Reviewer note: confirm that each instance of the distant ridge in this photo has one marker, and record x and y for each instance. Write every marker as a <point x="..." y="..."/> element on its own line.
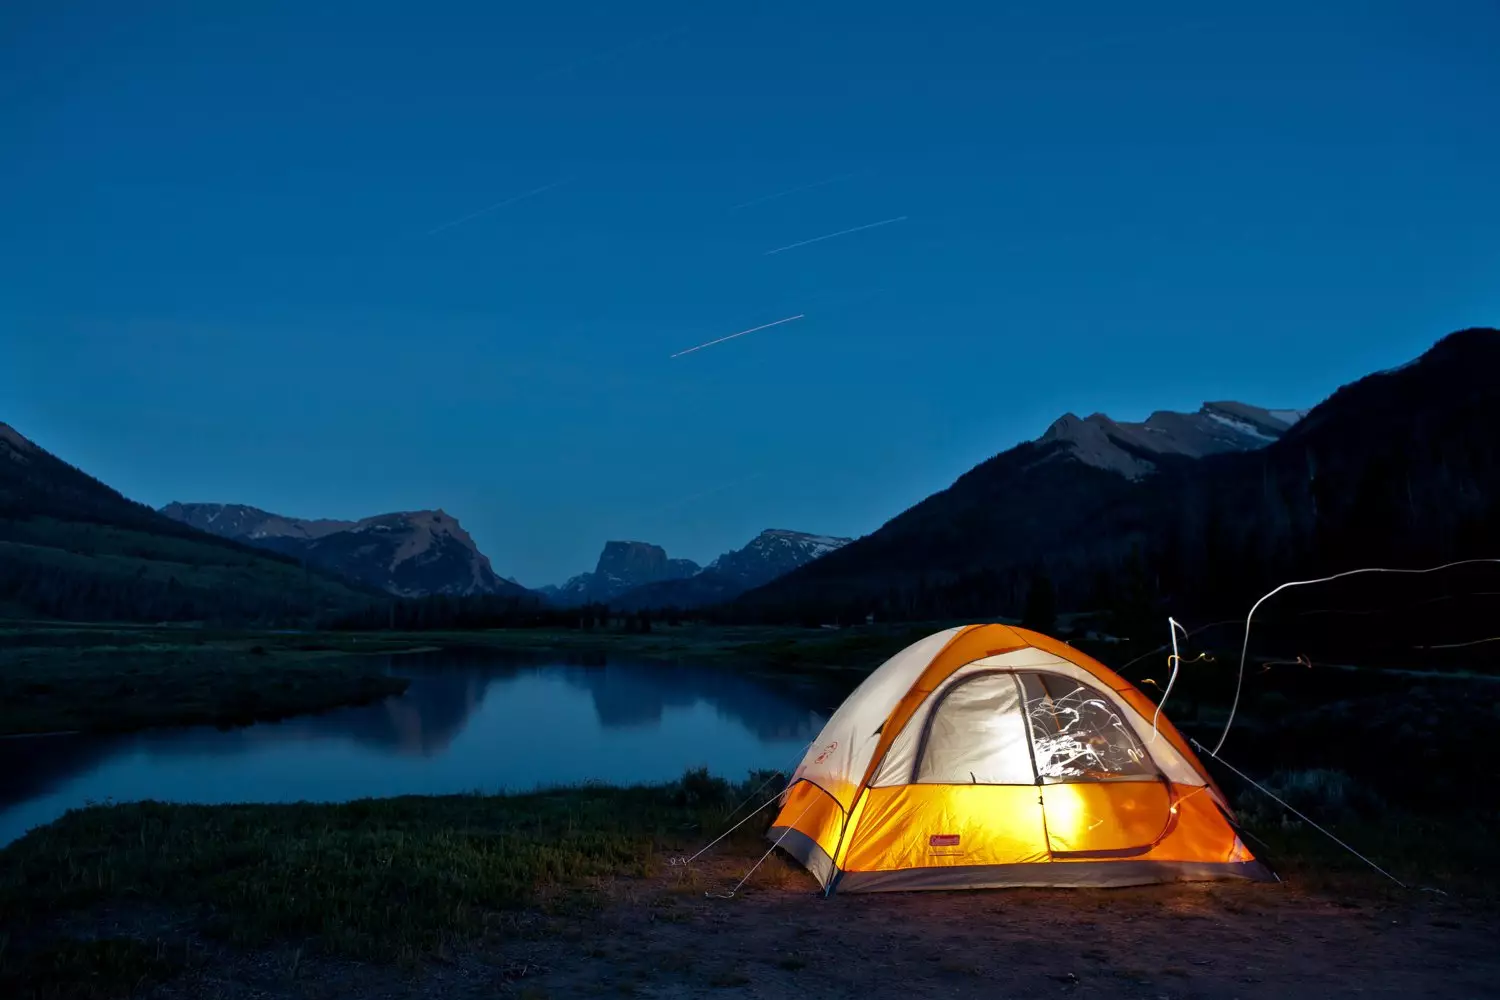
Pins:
<point x="407" y="554"/>
<point x="622" y="567"/>
<point x="770" y="554"/>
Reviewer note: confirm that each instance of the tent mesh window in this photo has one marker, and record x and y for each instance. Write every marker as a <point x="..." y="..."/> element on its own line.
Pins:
<point x="977" y="735"/>
<point x="1077" y="733"/>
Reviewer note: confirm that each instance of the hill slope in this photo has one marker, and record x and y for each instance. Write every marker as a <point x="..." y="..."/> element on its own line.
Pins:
<point x="407" y="554"/>
<point x="1402" y="467"/>
<point x="72" y="548"/>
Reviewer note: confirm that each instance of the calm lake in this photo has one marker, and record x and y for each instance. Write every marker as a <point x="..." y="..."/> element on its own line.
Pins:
<point x="469" y="722"/>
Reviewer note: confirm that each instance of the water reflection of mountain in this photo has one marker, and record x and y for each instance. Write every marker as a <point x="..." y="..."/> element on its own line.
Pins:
<point x="627" y="694"/>
<point x="443" y="694"/>
<point x="446" y="690"/>
<point x="421" y="722"/>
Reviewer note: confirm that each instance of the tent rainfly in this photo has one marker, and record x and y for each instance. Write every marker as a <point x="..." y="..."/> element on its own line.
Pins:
<point x="988" y="756"/>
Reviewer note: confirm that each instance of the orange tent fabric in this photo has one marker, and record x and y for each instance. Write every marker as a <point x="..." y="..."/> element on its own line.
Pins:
<point x="989" y="755"/>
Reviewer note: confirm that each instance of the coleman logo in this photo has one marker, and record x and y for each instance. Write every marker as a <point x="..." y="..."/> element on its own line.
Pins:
<point x="830" y="748"/>
<point x="943" y="840"/>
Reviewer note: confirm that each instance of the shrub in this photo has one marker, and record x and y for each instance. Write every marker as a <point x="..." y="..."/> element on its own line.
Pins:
<point x="1324" y="795"/>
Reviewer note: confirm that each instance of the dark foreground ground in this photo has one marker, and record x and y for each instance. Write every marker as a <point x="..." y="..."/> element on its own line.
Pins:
<point x="661" y="937"/>
<point x="573" y="893"/>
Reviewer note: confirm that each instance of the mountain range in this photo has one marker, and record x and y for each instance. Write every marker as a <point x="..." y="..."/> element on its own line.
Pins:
<point x="1183" y="510"/>
<point x="1135" y="450"/>
<point x="1203" y="512"/>
<point x="631" y="576"/>
<point x="408" y="554"/>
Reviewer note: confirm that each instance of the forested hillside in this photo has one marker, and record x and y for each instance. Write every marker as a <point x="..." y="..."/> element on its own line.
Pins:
<point x="1400" y="468"/>
<point x="72" y="548"/>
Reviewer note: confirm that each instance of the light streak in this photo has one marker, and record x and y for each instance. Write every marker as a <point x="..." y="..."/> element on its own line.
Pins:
<point x="1172" y="629"/>
<point x="782" y="194"/>
<point x="1163" y="646"/>
<point x="1319" y="611"/>
<point x="841" y="232"/>
<point x="1061" y="736"/>
<point x="496" y="207"/>
<point x="1245" y="649"/>
<point x="684" y="501"/>
<point x="1460" y="645"/>
<point x="721" y="340"/>
<point x="1302" y="660"/>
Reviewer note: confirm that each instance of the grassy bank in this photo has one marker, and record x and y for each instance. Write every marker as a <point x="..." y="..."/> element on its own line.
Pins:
<point x="379" y="880"/>
<point x="766" y="649"/>
<point x="113" y="678"/>
<point x="62" y="681"/>
<point x="109" y="898"/>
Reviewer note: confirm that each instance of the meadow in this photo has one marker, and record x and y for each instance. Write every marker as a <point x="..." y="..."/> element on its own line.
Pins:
<point x="112" y="901"/>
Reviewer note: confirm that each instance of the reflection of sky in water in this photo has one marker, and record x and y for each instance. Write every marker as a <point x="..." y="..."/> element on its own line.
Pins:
<point x="456" y="730"/>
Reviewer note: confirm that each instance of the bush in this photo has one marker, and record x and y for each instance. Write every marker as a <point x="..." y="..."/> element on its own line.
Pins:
<point x="1324" y="795"/>
<point x="698" y="788"/>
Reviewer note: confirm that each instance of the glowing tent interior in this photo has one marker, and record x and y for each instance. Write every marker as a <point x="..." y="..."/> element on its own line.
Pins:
<point x="987" y="756"/>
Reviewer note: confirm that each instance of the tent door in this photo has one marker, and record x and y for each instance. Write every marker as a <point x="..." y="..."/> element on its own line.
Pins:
<point x="1102" y="795"/>
<point x="1106" y="819"/>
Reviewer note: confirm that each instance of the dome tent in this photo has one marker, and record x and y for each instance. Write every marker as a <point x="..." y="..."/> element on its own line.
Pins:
<point x="987" y="756"/>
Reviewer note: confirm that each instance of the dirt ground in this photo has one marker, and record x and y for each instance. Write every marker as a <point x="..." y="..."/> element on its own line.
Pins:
<point x="663" y="937"/>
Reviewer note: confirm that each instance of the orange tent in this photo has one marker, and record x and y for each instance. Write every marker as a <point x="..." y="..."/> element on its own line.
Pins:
<point x="988" y="756"/>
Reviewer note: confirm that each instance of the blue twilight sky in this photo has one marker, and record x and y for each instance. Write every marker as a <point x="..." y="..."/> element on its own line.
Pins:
<point x="242" y="260"/>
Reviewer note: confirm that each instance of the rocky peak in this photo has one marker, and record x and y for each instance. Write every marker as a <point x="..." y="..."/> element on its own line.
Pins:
<point x="1128" y="448"/>
<point x="407" y="553"/>
<point x="424" y="531"/>
<point x="772" y="553"/>
<point x="622" y="566"/>
<point x="635" y="563"/>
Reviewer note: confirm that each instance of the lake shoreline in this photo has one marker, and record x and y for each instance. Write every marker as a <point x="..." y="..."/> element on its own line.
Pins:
<point x="64" y="677"/>
<point x="95" y="678"/>
<point x="573" y="890"/>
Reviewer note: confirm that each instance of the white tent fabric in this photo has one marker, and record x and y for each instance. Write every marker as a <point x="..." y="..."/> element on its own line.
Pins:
<point x="838" y="759"/>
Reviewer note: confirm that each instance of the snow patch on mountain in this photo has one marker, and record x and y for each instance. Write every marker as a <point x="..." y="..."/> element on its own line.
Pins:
<point x="1241" y="426"/>
<point x="772" y="553"/>
<point x="1134" y="449"/>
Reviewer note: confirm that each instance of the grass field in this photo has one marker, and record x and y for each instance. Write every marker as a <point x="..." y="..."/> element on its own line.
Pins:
<point x="110" y="898"/>
<point x="398" y="879"/>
